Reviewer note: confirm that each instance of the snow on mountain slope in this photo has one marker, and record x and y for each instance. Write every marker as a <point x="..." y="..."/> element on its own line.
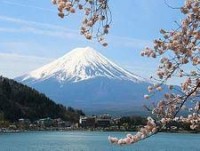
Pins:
<point x="78" y="65"/>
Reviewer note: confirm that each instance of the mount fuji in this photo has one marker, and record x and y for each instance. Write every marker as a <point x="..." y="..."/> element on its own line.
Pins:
<point x="85" y="79"/>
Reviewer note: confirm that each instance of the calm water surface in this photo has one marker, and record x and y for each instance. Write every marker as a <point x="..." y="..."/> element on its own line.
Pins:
<point x="94" y="141"/>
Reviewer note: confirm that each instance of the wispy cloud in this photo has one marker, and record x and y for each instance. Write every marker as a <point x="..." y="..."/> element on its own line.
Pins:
<point x="33" y="23"/>
<point x="44" y="32"/>
<point x="38" y="28"/>
<point x="9" y="30"/>
<point x="12" y="65"/>
<point x="17" y="56"/>
<point x="26" y="5"/>
<point x="27" y="48"/>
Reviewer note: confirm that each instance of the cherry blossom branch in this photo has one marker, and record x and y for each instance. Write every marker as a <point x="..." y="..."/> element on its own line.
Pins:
<point x="198" y="85"/>
<point x="97" y="16"/>
<point x="183" y="44"/>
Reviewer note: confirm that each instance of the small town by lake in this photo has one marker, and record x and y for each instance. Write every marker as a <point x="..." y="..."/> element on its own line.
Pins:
<point x="95" y="141"/>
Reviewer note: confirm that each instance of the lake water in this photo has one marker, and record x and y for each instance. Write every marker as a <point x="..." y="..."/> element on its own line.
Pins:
<point x="94" y="141"/>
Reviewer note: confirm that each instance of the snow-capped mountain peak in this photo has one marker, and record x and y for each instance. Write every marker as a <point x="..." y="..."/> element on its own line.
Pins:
<point x="85" y="79"/>
<point x="81" y="64"/>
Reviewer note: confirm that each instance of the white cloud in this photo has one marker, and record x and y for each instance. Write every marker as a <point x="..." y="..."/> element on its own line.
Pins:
<point x="9" y="30"/>
<point x="24" y="48"/>
<point x="39" y="28"/>
<point x="33" y="23"/>
<point x="29" y="6"/>
<point x="12" y="65"/>
<point x="44" y="32"/>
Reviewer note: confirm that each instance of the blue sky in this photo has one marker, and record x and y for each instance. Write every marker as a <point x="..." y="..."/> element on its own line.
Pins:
<point x="31" y="34"/>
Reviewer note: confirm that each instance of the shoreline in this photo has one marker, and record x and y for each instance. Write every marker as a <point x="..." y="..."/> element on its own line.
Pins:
<point x="88" y="130"/>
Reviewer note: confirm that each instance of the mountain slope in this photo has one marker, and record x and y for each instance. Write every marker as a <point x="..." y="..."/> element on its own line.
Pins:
<point x="78" y="65"/>
<point x="19" y="101"/>
<point x="86" y="79"/>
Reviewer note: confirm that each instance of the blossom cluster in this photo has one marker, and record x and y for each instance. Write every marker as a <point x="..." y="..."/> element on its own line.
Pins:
<point x="193" y="120"/>
<point x="178" y="49"/>
<point x="183" y="43"/>
<point x="148" y="130"/>
<point x="97" y="16"/>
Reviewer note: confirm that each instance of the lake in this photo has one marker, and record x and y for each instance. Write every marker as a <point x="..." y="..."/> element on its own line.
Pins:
<point x="94" y="141"/>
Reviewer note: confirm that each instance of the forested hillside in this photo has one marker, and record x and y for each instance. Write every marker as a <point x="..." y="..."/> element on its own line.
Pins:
<point x="19" y="101"/>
